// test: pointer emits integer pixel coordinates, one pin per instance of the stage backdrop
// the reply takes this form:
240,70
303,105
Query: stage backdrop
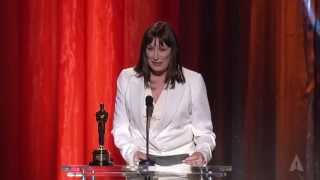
59,59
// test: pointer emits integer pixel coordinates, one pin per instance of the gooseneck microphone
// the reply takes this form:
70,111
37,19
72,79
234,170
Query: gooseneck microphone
149,111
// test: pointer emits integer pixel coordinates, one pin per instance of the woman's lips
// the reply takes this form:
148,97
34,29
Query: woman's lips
156,63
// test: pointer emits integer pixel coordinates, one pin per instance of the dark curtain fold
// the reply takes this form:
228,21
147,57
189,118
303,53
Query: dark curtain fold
316,127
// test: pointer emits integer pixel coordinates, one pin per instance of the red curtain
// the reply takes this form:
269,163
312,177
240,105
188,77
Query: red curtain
60,60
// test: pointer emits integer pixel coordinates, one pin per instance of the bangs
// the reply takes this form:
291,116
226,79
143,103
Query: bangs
162,34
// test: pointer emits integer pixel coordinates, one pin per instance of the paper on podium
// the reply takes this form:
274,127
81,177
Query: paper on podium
177,169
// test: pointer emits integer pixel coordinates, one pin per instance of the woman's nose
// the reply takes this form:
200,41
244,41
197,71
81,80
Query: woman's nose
156,54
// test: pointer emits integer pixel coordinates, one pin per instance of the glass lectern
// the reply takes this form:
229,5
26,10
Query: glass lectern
151,172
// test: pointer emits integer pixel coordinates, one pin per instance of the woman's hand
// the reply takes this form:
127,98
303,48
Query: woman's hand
138,156
196,159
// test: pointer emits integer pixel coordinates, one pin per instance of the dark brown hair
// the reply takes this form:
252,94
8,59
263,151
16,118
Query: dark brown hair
164,32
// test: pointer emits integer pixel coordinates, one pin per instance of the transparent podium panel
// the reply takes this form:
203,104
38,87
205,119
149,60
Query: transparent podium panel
152,172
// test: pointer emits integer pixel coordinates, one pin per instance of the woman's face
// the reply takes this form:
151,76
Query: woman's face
158,56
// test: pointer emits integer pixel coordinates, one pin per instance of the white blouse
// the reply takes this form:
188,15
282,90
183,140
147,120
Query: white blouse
180,124
157,108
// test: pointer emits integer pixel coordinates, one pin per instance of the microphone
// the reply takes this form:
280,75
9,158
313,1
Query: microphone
149,111
149,104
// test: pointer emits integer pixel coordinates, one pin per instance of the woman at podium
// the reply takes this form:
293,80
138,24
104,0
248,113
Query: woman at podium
180,131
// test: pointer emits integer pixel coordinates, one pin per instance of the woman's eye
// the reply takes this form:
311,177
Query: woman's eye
163,49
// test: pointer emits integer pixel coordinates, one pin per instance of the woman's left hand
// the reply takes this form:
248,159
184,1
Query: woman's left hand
196,159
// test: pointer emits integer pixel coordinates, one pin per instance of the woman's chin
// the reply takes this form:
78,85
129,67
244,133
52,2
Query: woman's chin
158,72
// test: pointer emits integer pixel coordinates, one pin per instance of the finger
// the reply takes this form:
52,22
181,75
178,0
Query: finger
142,157
191,158
194,161
139,156
194,157
197,163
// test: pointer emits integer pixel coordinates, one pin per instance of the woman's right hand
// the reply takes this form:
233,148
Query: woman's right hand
138,156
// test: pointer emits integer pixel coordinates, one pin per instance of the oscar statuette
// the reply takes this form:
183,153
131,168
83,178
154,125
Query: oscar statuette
100,156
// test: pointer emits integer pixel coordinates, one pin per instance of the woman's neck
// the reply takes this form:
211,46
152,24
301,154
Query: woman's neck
157,81
157,78
157,84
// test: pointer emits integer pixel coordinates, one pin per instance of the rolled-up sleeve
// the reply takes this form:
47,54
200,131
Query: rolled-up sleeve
202,128
121,132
